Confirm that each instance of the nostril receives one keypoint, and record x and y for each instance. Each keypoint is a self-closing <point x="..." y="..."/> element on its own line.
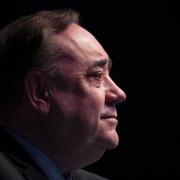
<point x="115" y="97"/>
<point x="123" y="95"/>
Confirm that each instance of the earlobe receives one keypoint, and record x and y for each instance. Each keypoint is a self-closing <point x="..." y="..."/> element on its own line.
<point x="36" y="90"/>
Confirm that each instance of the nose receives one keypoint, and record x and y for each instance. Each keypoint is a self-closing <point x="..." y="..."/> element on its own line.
<point x="113" y="93"/>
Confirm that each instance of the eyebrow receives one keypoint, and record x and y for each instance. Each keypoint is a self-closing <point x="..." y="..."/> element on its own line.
<point x="102" y="63"/>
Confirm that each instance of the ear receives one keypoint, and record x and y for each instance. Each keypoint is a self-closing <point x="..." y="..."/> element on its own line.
<point x="36" y="89"/>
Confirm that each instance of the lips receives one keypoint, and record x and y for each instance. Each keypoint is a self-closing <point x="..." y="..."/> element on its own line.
<point x="108" y="116"/>
<point x="110" y="119"/>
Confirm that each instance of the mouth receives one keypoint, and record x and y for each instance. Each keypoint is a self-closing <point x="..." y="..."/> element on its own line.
<point x="111" y="119"/>
<point x="108" y="116"/>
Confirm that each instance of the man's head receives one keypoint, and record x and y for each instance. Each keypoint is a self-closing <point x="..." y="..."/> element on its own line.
<point x="68" y="101"/>
<point x="24" y="46"/>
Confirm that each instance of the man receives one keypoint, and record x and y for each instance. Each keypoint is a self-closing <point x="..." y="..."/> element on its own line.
<point x="57" y="100"/>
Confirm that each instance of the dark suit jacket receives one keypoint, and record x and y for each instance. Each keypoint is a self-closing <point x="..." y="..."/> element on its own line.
<point x="16" y="163"/>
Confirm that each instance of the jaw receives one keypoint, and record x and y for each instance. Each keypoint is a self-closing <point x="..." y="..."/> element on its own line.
<point x="107" y="136"/>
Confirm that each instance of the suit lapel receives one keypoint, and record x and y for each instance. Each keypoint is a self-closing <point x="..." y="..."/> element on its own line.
<point x="19" y="158"/>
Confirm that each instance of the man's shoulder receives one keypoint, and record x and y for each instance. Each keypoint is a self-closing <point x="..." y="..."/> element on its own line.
<point x="86" y="175"/>
<point x="15" y="162"/>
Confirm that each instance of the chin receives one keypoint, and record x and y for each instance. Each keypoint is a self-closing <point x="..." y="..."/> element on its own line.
<point x="110" y="140"/>
<point x="114" y="141"/>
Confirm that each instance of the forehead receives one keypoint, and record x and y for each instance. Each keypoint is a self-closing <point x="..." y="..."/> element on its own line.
<point x="81" y="45"/>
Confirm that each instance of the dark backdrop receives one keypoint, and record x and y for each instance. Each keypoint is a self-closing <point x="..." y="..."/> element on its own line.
<point x="142" y="38"/>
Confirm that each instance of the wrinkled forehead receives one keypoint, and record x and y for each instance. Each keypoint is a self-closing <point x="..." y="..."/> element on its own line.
<point x="80" y="44"/>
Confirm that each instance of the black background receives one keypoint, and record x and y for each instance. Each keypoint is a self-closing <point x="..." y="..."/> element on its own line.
<point x="142" y="39"/>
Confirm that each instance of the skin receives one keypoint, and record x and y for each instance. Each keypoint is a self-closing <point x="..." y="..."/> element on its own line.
<point x="72" y="117"/>
<point x="85" y="97"/>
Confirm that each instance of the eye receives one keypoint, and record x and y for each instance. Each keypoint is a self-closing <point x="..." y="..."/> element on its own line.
<point x="98" y="76"/>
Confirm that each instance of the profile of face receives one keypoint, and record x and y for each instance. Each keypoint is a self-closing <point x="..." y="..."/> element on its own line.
<point x="83" y="116"/>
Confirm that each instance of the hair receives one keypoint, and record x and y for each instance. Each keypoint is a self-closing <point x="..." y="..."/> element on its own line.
<point x="23" y="47"/>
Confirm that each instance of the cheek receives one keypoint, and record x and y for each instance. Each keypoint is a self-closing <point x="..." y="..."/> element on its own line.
<point x="92" y="108"/>
<point x="96" y="100"/>
<point x="87" y="113"/>
<point x="79" y="113"/>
